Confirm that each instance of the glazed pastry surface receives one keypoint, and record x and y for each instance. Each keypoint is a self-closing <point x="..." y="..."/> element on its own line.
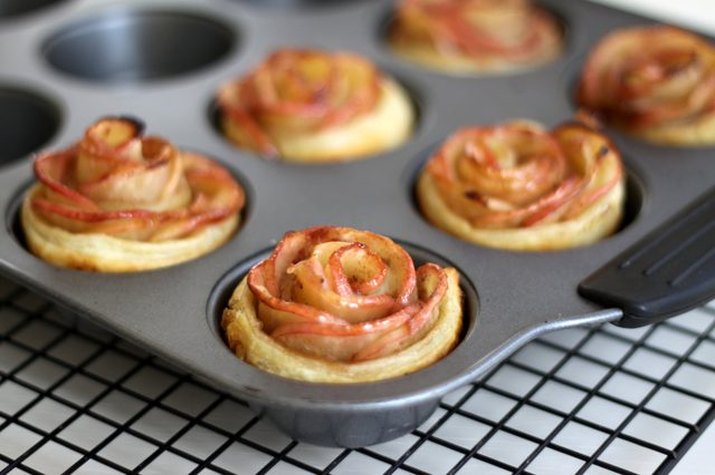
<point x="654" y="82"/>
<point x="339" y="305"/>
<point x="474" y="36"/>
<point x="119" y="201"/>
<point x="314" y="106"/>
<point x="518" y="186"/>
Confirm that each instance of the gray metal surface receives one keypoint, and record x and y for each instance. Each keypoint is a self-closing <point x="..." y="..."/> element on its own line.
<point x="173" y="311"/>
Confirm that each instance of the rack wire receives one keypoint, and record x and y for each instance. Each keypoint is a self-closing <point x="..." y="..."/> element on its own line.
<point x="74" y="397"/>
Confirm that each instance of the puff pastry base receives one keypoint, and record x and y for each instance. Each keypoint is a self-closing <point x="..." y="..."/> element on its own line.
<point x="247" y="340"/>
<point x="600" y="219"/>
<point x="102" y="253"/>
<point x="688" y="133"/>
<point x="465" y="65"/>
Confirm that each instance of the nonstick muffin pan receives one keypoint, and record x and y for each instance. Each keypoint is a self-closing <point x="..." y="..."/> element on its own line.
<point x="67" y="63"/>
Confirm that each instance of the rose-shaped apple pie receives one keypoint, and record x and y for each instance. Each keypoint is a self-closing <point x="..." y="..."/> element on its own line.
<point x="655" y="82"/>
<point x="517" y="186"/>
<point x="474" y="36"/>
<point x="314" y="106"/>
<point x="118" y="201"/>
<point x="339" y="305"/>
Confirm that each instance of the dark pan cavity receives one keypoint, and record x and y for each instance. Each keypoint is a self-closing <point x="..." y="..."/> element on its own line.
<point x="129" y="46"/>
<point x="28" y="122"/>
<point x="13" y="222"/>
<point x="635" y="197"/>
<point x="15" y="8"/>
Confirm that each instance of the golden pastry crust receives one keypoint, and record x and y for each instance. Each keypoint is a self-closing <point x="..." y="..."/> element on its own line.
<point x="516" y="186"/>
<point x="337" y="305"/>
<point x="119" y="202"/>
<point x="310" y="106"/>
<point x="474" y="36"/>
<point x="102" y="253"/>
<point x="656" y="83"/>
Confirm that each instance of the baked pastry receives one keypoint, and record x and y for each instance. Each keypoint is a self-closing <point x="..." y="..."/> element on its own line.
<point x="654" y="82"/>
<point x="339" y="305"/>
<point x="517" y="186"/>
<point x="314" y="106"/>
<point x="117" y="201"/>
<point x="474" y="36"/>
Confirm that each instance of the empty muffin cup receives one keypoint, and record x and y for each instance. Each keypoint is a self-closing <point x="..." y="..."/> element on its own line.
<point x="29" y="121"/>
<point x="130" y="46"/>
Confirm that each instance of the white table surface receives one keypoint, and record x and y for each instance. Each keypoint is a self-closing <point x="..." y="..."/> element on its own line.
<point x="696" y="15"/>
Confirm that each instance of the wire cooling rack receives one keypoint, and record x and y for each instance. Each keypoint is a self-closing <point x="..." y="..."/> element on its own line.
<point x="76" y="398"/>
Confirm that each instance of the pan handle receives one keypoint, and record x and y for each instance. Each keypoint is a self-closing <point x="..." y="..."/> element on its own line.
<point x="666" y="273"/>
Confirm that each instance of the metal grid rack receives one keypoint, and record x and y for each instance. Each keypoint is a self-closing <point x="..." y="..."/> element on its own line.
<point x="76" y="398"/>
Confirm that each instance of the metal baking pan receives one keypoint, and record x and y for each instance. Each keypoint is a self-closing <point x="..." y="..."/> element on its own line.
<point x="70" y="62"/>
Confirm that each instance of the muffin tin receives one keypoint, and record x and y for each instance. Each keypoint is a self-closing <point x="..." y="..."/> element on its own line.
<point x="70" y="62"/>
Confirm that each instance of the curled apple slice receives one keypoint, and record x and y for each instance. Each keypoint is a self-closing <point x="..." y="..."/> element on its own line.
<point x="656" y="82"/>
<point x="118" y="184"/>
<point x="346" y="304"/>
<point x="518" y="186"/>
<point x="474" y="35"/>
<point x="311" y="105"/>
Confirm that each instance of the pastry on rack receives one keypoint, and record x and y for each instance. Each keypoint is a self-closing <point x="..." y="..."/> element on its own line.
<point x="653" y="82"/>
<point x="339" y="305"/>
<point x="518" y="186"/>
<point x="474" y="36"/>
<point x="315" y="106"/>
<point x="118" y="201"/>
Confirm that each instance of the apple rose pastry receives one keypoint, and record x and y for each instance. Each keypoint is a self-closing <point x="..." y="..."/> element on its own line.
<point x="657" y="83"/>
<point x="338" y="305"/>
<point x="313" y="106"/>
<point x="474" y="36"/>
<point x="117" y="201"/>
<point x="517" y="186"/>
